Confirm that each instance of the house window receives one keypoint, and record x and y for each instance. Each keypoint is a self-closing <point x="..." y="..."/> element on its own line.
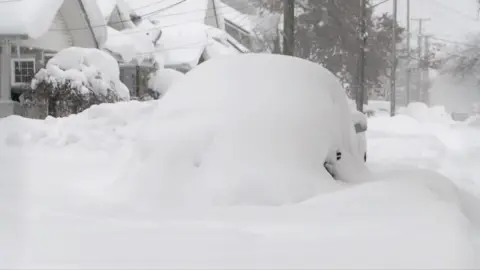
<point x="23" y="71"/>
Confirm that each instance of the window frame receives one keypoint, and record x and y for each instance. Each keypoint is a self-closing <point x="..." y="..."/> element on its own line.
<point x="19" y="60"/>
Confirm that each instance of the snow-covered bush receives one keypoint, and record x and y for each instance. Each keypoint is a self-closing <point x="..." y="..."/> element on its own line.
<point x="161" y="80"/>
<point x="74" y="79"/>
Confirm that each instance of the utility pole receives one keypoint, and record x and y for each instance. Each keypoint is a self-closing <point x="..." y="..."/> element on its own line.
<point x="425" y="70"/>
<point x="360" y="94"/>
<point x="419" y="56"/>
<point x="289" y="27"/>
<point x="393" y="69"/>
<point x="408" y="71"/>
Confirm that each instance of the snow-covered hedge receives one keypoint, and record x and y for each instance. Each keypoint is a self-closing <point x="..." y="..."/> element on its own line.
<point x="74" y="79"/>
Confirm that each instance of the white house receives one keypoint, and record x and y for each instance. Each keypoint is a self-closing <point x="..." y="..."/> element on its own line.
<point x="31" y="31"/>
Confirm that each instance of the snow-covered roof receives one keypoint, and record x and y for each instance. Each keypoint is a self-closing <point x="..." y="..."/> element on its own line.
<point x="106" y="7"/>
<point x="34" y="18"/>
<point x="183" y="45"/>
<point x="130" y="44"/>
<point x="31" y="18"/>
<point x="241" y="20"/>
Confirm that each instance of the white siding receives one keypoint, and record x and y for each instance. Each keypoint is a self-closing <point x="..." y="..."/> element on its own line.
<point x="56" y="39"/>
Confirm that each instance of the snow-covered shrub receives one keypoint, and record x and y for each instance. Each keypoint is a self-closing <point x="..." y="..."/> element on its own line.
<point x="75" y="79"/>
<point x="161" y="80"/>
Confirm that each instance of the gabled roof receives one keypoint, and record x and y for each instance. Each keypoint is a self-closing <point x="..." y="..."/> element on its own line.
<point x="117" y="10"/>
<point x="238" y="19"/>
<point x="34" y="18"/>
<point x="107" y="7"/>
<point x="30" y="18"/>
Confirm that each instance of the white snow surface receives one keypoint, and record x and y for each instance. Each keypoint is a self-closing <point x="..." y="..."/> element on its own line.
<point x="28" y="17"/>
<point x="183" y="44"/>
<point x="163" y="79"/>
<point x="59" y="193"/>
<point x="57" y="173"/>
<point x="84" y="67"/>
<point x="34" y="18"/>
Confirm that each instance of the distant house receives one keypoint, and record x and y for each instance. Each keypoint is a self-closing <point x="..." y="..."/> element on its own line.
<point x="31" y="32"/>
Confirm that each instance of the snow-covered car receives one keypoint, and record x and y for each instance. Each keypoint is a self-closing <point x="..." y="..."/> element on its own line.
<point x="260" y="118"/>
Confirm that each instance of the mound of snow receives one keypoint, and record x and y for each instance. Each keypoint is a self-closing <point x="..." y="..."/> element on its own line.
<point x="473" y="121"/>
<point x="422" y="113"/>
<point x="378" y="107"/>
<point x="86" y="70"/>
<point x="101" y="127"/>
<point x="163" y="79"/>
<point x="244" y="135"/>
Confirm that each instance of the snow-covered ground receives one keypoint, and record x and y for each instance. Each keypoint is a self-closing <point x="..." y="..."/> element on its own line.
<point x="57" y="212"/>
<point x="226" y="172"/>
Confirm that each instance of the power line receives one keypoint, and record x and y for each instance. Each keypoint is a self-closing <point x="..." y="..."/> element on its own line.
<point x="378" y="4"/>
<point x="150" y="14"/>
<point x="186" y="46"/>
<point x="163" y="9"/>
<point x="440" y="4"/>
<point x="456" y="42"/>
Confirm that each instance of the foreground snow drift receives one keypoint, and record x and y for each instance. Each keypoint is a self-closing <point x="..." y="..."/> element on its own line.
<point x="56" y="208"/>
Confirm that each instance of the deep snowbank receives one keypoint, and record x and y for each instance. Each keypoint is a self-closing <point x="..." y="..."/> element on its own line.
<point x="400" y="221"/>
<point x="56" y="212"/>
<point x="104" y="127"/>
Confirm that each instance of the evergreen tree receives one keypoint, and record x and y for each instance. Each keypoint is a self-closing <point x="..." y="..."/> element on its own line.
<point x="328" y="32"/>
